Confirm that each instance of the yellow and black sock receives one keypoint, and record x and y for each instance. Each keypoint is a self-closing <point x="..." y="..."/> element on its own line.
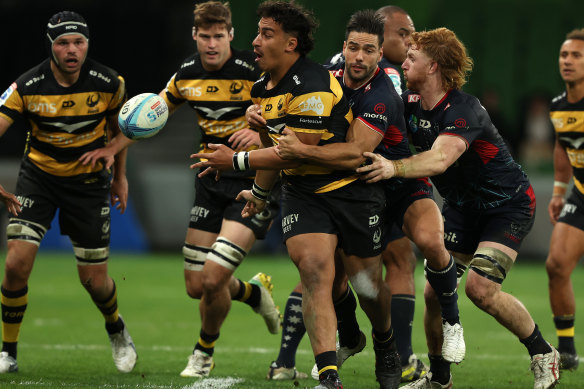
<point x="13" y="307"/>
<point x="248" y="293"/>
<point x="206" y="343"/>
<point x="109" y="310"/>
<point x="565" y="331"/>
<point x="327" y="364"/>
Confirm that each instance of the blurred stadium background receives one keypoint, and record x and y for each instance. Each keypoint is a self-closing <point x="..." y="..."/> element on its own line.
<point x="514" y="44"/>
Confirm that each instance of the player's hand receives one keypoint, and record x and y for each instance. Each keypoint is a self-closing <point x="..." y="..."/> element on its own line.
<point x="555" y="208"/>
<point x="104" y="153"/>
<point x="253" y="205"/>
<point x="119" y="193"/>
<point x="379" y="169"/>
<point x="253" y="115"/>
<point x="220" y="159"/>
<point x="244" y="139"/>
<point x="10" y="201"/>
<point x="289" y="146"/>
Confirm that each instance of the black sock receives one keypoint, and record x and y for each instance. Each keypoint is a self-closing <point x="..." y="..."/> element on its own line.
<point x="440" y="369"/>
<point x="565" y="331"/>
<point x="382" y="340"/>
<point x="402" y="316"/>
<point x="206" y="343"/>
<point x="347" y="326"/>
<point x="443" y="281"/>
<point x="292" y="331"/>
<point x="535" y="343"/>
<point x="116" y="327"/>
<point x="326" y="364"/>
<point x="248" y="293"/>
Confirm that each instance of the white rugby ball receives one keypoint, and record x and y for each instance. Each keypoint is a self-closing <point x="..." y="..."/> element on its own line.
<point x="143" y="116"/>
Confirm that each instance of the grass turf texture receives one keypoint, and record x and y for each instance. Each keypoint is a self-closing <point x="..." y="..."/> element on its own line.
<point x="63" y="343"/>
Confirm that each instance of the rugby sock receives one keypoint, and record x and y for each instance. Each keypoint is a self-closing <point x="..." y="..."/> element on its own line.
<point x="13" y="306"/>
<point x="347" y="326"/>
<point x="206" y="343"/>
<point x="109" y="310"/>
<point x="535" y="343"/>
<point x="443" y="281"/>
<point x="440" y="369"/>
<point x="326" y="364"/>
<point x="565" y="331"/>
<point x="382" y="340"/>
<point x="402" y="317"/>
<point x="248" y="293"/>
<point x="292" y="331"/>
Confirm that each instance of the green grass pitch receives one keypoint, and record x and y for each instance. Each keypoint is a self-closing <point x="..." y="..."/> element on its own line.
<point x="63" y="343"/>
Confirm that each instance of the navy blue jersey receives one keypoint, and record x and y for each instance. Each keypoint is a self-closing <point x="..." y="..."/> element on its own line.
<point x="380" y="108"/>
<point x="485" y="176"/>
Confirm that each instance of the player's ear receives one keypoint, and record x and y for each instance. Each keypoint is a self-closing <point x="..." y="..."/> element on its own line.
<point x="194" y="33"/>
<point x="344" y="48"/>
<point x="231" y="33"/>
<point x="292" y="43"/>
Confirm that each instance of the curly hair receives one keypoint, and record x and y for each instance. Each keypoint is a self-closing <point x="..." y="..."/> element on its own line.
<point x="443" y="47"/>
<point x="213" y="12"/>
<point x="294" y="19"/>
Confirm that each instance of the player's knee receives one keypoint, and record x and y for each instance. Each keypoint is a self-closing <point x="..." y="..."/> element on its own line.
<point x="365" y="286"/>
<point x="555" y="269"/>
<point x="23" y="230"/>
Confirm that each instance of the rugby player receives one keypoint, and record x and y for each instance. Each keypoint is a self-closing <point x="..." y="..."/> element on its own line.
<point x="71" y="103"/>
<point x="567" y="216"/>
<point x="300" y="96"/>
<point x="216" y="82"/>
<point x="412" y="207"/>
<point x="489" y="204"/>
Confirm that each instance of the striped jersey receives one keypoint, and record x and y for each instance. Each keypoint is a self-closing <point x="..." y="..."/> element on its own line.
<point x="65" y="122"/>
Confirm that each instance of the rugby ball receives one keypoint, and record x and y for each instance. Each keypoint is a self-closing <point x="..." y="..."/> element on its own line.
<point x="143" y="116"/>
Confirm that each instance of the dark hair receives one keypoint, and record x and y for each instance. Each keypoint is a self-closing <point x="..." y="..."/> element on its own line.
<point x="389" y="10"/>
<point x="367" y="21"/>
<point x="294" y="19"/>
<point x="576" y="34"/>
<point x="213" y="12"/>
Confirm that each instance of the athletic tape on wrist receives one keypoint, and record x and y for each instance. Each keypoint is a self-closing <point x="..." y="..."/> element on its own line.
<point x="241" y="161"/>
<point x="259" y="193"/>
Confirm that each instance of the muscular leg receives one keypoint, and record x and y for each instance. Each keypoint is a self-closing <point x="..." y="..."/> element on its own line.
<point x="566" y="248"/>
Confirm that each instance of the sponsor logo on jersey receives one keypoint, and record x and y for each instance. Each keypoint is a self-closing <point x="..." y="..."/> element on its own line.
<point x="34" y="79"/>
<point x="215" y="114"/>
<point x="92" y="100"/>
<point x="373" y="220"/>
<point x="379" y="108"/>
<point x="7" y="93"/>
<point x="184" y="65"/>
<point x="312" y="104"/>
<point x="568" y="208"/>
<point x="41" y="107"/>
<point x="105" y="227"/>
<point x="105" y="211"/>
<point x="68" y="104"/>
<point x="244" y="64"/>
<point x="296" y="79"/>
<point x="25" y="201"/>
<point x="374" y="116"/>
<point x="377" y="239"/>
<point x="191" y="92"/>
<point x="460" y="123"/>
<point x="198" y="212"/>
<point x="413" y="98"/>
<point x="97" y="74"/>
<point x="236" y="87"/>
<point x="572" y="120"/>
<point x="413" y="123"/>
<point x="268" y="107"/>
<point x="425" y="123"/>
<point x="280" y="104"/>
<point x="212" y="89"/>
<point x="558" y="122"/>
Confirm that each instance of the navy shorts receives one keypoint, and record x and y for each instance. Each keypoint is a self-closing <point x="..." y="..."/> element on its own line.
<point x="215" y="201"/>
<point x="507" y="224"/>
<point x="400" y="194"/>
<point x="83" y="204"/>
<point x="354" y="212"/>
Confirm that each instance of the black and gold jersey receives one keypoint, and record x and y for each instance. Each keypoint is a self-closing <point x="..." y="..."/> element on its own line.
<point x="308" y="99"/>
<point x="568" y="121"/>
<point x="220" y="97"/>
<point x="65" y="122"/>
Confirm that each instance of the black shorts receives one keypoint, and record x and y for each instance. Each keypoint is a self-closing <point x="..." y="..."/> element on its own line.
<point x="400" y="194"/>
<point x="573" y="211"/>
<point x="215" y="201"/>
<point x="83" y="204"/>
<point x="507" y="224"/>
<point x="355" y="213"/>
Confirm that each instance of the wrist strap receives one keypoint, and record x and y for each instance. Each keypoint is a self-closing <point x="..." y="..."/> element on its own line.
<point x="259" y="193"/>
<point x="399" y="168"/>
<point x="560" y="189"/>
<point x="241" y="161"/>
